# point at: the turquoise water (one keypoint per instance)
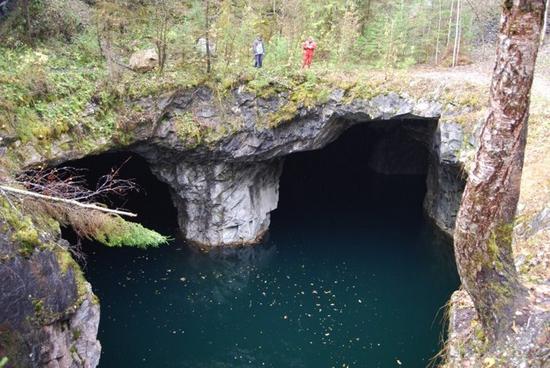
(352, 275)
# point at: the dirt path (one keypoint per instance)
(481, 75)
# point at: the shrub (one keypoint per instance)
(48, 19)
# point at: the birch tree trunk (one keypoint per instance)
(545, 23)
(450, 28)
(456, 48)
(483, 233)
(438, 35)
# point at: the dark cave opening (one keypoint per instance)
(351, 272)
(353, 172)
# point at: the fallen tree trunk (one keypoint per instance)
(71, 202)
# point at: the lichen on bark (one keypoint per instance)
(483, 234)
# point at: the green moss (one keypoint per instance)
(38, 305)
(480, 342)
(21, 228)
(309, 93)
(187, 129)
(13, 349)
(66, 263)
(286, 113)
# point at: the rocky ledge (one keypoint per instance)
(49, 315)
(224, 191)
(222, 155)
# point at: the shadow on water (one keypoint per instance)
(352, 274)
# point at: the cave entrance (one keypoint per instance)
(356, 208)
(372, 171)
(351, 274)
(151, 201)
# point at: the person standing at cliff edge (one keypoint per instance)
(309, 49)
(258, 50)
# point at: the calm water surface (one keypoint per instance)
(352, 274)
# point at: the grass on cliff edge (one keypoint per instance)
(58, 89)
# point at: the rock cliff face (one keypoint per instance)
(224, 203)
(49, 316)
(224, 185)
(224, 192)
(446, 179)
(222, 156)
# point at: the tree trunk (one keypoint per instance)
(456, 48)
(483, 234)
(207, 21)
(450, 25)
(72, 202)
(545, 23)
(27, 14)
(438, 34)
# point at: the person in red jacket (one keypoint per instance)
(309, 49)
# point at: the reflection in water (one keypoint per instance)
(234, 268)
(313, 295)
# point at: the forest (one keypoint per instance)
(371, 33)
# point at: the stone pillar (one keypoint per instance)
(223, 203)
(446, 179)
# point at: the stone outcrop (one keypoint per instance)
(225, 191)
(144, 60)
(446, 178)
(223, 203)
(49, 316)
(526, 346)
(201, 145)
(214, 152)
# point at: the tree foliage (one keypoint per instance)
(379, 33)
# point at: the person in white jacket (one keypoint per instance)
(259, 51)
